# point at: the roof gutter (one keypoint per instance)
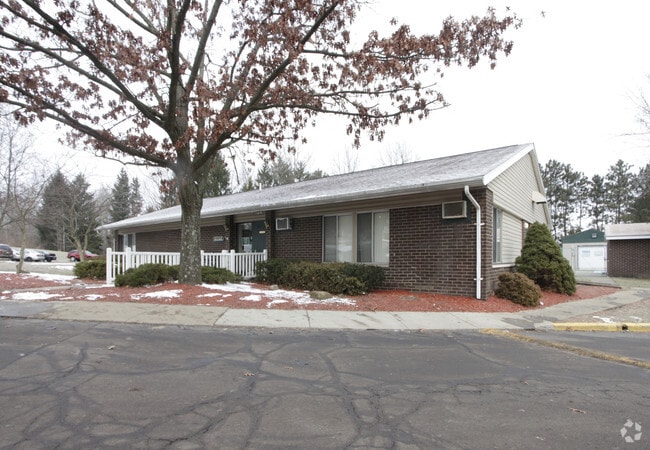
(478, 241)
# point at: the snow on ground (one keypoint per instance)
(34, 296)
(57, 278)
(173, 293)
(277, 296)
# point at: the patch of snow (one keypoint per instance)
(275, 302)
(604, 319)
(34, 296)
(93, 297)
(252, 298)
(277, 296)
(158, 294)
(215, 294)
(52, 277)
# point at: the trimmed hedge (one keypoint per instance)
(518, 288)
(94, 269)
(150, 274)
(217, 275)
(335, 278)
(146, 275)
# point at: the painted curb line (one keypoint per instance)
(585, 326)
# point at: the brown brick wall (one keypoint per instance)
(303, 241)
(170, 240)
(428, 253)
(628, 258)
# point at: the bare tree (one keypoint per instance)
(346, 161)
(396, 154)
(13, 153)
(171, 84)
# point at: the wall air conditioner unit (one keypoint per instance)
(454, 210)
(282, 223)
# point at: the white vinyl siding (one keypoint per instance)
(513, 192)
(512, 238)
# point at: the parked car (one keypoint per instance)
(73, 255)
(6, 251)
(47, 256)
(29, 255)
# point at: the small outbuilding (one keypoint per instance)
(586, 251)
(628, 250)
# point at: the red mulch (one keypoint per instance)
(87, 290)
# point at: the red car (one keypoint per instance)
(73, 255)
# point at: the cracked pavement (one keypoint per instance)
(102, 385)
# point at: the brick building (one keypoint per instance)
(628, 250)
(419, 220)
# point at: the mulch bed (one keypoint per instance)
(13, 286)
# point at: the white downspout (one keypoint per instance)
(478, 241)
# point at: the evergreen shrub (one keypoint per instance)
(519, 289)
(217, 275)
(335, 278)
(94, 269)
(271, 270)
(146, 275)
(541, 260)
(371, 276)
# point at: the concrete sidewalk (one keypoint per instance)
(155, 314)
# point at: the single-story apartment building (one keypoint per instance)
(586, 251)
(448, 225)
(628, 250)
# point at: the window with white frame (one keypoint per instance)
(362, 237)
(497, 233)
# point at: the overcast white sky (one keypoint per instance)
(568, 87)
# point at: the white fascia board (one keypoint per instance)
(489, 177)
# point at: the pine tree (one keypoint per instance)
(618, 184)
(598, 200)
(51, 220)
(640, 211)
(82, 216)
(135, 198)
(120, 206)
(218, 180)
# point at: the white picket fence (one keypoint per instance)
(239, 263)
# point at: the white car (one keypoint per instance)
(29, 256)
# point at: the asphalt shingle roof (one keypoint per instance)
(473, 169)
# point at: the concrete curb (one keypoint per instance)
(585, 326)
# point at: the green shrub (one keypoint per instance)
(335, 278)
(518, 288)
(541, 260)
(271, 270)
(146, 275)
(371, 276)
(94, 269)
(321, 277)
(217, 275)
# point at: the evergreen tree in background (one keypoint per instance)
(218, 180)
(282, 171)
(598, 202)
(135, 199)
(120, 205)
(82, 216)
(618, 185)
(640, 211)
(51, 220)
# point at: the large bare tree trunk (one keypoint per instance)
(191, 204)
